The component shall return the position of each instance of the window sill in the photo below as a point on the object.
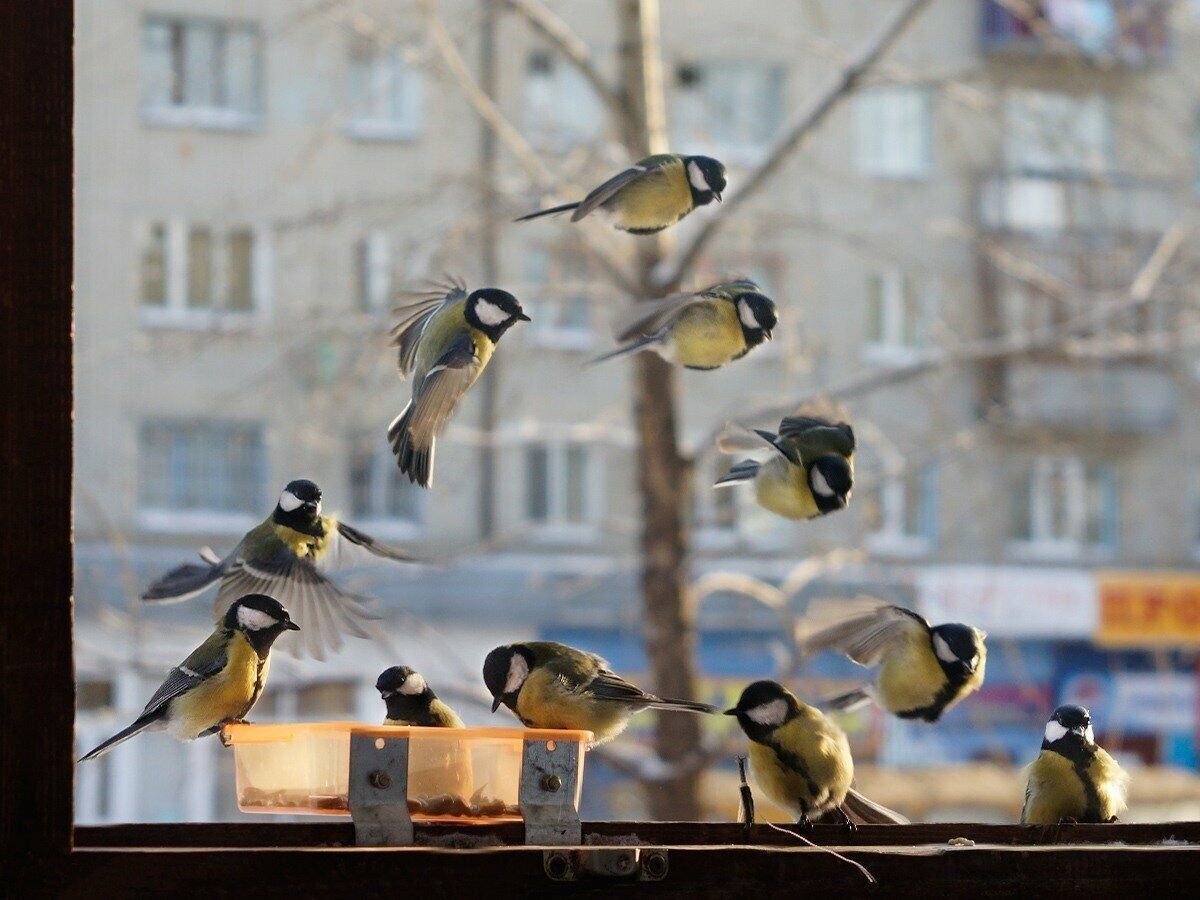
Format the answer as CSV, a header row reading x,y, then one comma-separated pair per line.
x,y
1059,551
899,545
383,130
173,522
168,319
203,118
563,534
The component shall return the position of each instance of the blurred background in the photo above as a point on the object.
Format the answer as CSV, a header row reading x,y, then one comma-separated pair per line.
x,y
987,249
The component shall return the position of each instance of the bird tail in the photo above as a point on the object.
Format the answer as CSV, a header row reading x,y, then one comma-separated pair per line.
x,y
554,210
121,737
862,811
849,701
631,347
185,581
415,462
683,705
743,471
736,438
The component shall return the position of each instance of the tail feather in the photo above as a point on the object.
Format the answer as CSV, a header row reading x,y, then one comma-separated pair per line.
x,y
121,736
862,811
554,210
683,705
743,471
626,348
849,701
415,462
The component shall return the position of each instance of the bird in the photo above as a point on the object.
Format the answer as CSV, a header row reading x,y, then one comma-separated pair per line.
x,y
410,701
550,685
813,473
923,670
1073,779
703,330
652,194
798,757
444,342
220,681
288,556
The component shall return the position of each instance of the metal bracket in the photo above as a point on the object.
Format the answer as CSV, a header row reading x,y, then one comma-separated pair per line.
x,y
549,771
378,792
609,863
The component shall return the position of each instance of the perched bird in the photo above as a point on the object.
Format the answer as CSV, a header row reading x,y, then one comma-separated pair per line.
x,y
704,330
813,473
798,757
1073,779
410,701
923,670
287,556
551,685
652,194
220,681
445,341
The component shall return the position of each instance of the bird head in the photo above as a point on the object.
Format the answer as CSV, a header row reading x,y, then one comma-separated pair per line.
x,y
959,648
758,317
494,311
707,178
299,505
1069,728
260,618
504,671
763,707
831,480
400,680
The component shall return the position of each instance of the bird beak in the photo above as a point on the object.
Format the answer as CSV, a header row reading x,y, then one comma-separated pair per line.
x,y
310,506
386,694
523,317
1080,730
767,334
731,712
717,195
496,701
289,625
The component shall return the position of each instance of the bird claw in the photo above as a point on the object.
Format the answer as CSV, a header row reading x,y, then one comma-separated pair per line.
x,y
1068,820
804,823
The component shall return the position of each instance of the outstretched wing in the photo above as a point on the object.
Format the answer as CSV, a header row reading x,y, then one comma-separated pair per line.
x,y
351,547
610,188
861,628
203,663
413,317
651,318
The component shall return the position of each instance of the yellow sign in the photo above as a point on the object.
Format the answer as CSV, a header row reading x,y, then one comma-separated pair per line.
x,y
1139,609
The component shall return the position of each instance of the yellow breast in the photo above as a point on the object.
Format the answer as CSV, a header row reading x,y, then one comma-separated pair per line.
x,y
825,752
544,702
656,200
707,336
909,674
229,694
783,489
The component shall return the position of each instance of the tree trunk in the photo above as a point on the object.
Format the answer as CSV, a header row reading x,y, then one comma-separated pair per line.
x,y
663,474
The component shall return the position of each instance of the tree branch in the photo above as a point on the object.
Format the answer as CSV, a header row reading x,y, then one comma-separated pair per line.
x,y
804,124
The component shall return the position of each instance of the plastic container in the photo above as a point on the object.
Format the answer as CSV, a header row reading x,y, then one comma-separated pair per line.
x,y
461,775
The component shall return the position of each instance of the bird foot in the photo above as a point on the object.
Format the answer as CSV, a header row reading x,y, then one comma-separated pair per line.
x,y
1068,820
1111,820
847,822
804,823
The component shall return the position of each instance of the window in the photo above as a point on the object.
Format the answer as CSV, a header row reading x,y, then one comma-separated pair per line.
x,y
1049,132
561,109
907,514
201,73
1065,507
561,293
380,494
562,490
386,94
730,109
195,275
895,132
372,272
896,318
199,473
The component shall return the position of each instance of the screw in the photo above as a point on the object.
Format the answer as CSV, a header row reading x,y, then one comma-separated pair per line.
x,y
624,862
557,866
655,865
380,780
552,784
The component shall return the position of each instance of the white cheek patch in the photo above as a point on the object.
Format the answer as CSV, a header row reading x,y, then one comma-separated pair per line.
x,y
942,649
413,684
490,314
518,671
289,501
746,314
1054,731
696,177
255,619
1089,736
772,713
820,485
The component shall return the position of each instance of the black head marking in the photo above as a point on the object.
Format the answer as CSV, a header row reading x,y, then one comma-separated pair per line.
x,y
957,648
299,507
831,480
760,310
763,707
261,619
706,177
493,311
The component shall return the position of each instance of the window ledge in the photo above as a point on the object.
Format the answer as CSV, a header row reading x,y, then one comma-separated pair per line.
x,y
382,130
563,533
1059,551
170,318
888,543
202,117
173,522
889,355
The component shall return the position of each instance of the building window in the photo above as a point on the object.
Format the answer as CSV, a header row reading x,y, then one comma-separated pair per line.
x,y
561,293
561,109
372,272
562,492
895,132
897,328
380,494
1065,507
199,472
1050,132
386,94
195,275
907,514
201,73
730,109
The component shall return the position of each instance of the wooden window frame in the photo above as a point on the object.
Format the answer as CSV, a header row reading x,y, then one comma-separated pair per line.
x,y
44,854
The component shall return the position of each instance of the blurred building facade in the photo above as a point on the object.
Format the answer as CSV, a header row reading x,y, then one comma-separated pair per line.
x,y
257,182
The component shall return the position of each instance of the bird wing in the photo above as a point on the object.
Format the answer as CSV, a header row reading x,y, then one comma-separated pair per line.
x,y
348,547
651,318
609,189
607,685
203,663
442,389
861,628
188,580
414,317
815,437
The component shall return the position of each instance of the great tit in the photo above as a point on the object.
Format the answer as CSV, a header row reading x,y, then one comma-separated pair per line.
x,y
445,341
652,194
410,701
704,330
813,473
288,557
798,757
1073,779
923,670
551,685
220,681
